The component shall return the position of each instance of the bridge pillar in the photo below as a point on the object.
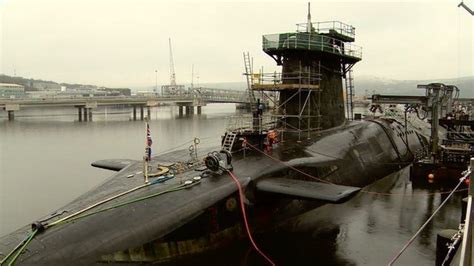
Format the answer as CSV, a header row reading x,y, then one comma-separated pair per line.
x,y
11,115
79,113
90,114
141,113
85,114
148,112
11,108
199,109
134,113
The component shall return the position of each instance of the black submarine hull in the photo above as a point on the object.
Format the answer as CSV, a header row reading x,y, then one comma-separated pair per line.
x,y
354,154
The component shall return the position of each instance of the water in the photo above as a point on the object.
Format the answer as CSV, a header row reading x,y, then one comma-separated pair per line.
x,y
45,158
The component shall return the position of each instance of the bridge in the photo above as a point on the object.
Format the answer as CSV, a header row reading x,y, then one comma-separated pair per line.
x,y
197,97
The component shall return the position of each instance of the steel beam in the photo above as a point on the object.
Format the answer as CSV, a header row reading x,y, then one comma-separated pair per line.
x,y
399,99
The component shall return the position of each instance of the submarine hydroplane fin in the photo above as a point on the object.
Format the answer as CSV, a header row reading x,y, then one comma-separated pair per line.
x,y
113,164
307,189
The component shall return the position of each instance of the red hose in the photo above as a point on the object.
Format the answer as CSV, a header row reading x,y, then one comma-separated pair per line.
x,y
247,228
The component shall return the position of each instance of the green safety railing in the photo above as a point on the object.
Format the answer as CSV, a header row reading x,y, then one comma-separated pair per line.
x,y
310,41
328,27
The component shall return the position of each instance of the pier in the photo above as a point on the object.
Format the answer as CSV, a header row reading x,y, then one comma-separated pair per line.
x,y
185,102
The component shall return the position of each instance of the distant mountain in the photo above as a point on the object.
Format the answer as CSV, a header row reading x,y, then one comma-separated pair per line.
x,y
363,85
370,84
31,84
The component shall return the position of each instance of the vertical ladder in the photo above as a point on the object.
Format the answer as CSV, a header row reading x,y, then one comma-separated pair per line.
x,y
248,74
349,84
229,141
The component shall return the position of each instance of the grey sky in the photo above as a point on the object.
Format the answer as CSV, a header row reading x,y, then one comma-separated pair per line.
x,y
121,43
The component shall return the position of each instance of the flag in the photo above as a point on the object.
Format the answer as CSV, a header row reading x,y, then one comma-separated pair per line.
x,y
148,143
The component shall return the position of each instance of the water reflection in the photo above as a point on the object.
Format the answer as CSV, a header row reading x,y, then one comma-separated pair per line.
x,y
369,229
45,154
44,163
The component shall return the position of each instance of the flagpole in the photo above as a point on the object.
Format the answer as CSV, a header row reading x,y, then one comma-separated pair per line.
x,y
145,158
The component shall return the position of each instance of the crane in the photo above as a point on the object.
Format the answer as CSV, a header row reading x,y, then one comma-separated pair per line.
x,y
466,7
172,73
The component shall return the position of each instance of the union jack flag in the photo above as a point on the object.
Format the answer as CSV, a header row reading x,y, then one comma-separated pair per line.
x,y
148,143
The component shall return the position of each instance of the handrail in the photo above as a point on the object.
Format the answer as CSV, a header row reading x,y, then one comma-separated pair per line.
x,y
280,78
327,26
242,123
467,242
196,94
308,41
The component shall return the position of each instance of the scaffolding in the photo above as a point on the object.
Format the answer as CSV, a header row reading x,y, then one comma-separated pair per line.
x,y
302,84
248,64
296,92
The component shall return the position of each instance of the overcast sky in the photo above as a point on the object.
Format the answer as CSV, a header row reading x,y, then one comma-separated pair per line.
x,y
121,43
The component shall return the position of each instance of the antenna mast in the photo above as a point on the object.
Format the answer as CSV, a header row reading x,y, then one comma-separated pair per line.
x,y
172,74
309,27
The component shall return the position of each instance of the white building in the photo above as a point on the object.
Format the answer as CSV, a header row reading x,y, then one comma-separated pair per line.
x,y
11,90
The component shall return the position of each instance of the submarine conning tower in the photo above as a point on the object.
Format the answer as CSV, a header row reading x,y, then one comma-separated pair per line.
x,y
315,59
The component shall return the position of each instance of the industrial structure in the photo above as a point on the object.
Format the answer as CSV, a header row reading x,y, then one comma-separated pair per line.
x,y
173,88
446,155
11,90
308,94
196,199
85,105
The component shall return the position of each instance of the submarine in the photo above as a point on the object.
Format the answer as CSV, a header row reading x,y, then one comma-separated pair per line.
x,y
269,168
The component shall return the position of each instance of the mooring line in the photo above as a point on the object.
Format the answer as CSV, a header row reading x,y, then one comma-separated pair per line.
x,y
409,242
22,245
107,200
362,190
172,189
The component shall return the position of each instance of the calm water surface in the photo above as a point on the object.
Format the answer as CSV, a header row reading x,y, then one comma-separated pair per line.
x,y
45,158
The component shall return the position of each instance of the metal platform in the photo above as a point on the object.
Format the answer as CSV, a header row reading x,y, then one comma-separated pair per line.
x,y
279,87
274,44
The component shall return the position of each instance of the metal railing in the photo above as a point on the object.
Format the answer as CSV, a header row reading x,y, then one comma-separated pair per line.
x,y
198,94
208,94
308,41
287,78
328,27
249,123
467,242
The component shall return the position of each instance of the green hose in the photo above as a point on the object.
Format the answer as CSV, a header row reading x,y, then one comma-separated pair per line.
x,y
172,189
21,248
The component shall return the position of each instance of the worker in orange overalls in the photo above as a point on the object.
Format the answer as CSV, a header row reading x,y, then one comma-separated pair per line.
x,y
271,139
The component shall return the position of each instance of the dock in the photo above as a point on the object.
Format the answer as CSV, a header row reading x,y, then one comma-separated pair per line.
x,y
186,101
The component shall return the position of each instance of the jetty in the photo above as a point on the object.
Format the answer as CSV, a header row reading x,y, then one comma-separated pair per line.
x,y
185,101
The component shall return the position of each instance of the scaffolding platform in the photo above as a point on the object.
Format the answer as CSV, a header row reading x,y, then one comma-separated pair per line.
x,y
280,87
